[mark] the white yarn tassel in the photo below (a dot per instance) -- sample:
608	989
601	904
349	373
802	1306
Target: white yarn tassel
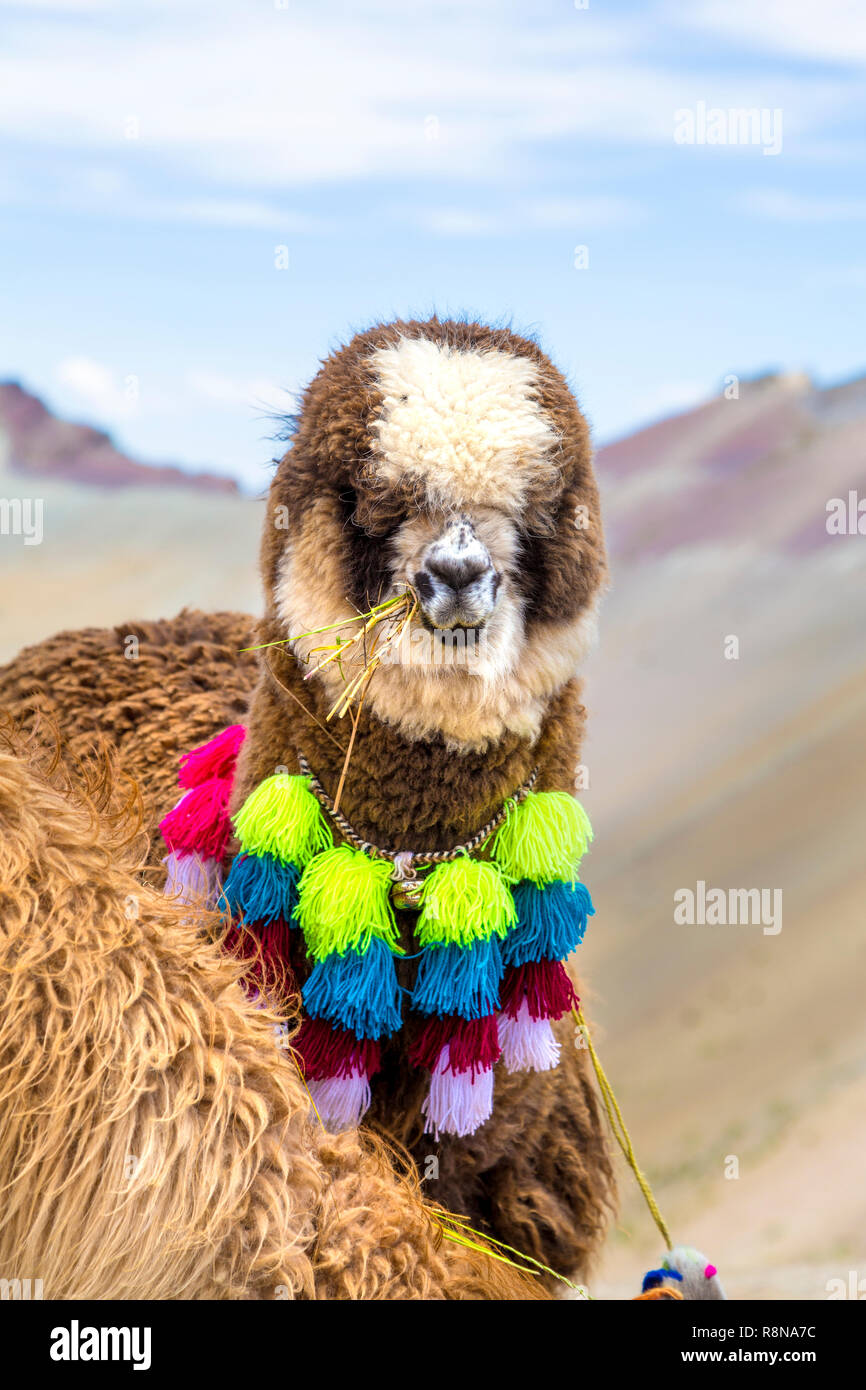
341	1100
457	1103
528	1044
192	878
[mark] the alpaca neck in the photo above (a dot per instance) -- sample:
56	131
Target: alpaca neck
397	793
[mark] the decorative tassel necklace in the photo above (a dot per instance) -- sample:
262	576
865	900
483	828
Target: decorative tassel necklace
493	932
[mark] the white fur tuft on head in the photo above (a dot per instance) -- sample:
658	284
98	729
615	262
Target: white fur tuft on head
463	426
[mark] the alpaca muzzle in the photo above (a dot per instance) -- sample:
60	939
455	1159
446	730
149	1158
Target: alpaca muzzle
456	582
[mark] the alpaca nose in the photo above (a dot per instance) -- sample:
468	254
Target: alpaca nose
458	572
456	582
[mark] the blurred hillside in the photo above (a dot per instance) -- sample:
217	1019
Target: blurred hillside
745	771
724	1042
38	445
122	539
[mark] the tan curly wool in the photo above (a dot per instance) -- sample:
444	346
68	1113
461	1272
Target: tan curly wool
154	1141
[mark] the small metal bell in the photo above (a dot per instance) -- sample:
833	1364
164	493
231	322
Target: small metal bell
406	886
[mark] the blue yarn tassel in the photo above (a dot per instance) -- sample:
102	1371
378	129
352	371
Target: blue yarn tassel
460	980
260	888
551	922
358	991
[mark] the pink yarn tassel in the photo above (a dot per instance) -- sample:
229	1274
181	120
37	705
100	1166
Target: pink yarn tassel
200	820
528	1043
216	758
457	1103
341	1100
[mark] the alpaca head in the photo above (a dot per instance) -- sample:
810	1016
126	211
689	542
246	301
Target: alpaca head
451	457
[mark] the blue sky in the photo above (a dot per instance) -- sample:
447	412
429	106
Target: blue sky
412	156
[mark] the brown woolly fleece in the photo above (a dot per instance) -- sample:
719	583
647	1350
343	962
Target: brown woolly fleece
538	1175
154	1142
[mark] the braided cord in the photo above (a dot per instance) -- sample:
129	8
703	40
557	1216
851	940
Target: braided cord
425	856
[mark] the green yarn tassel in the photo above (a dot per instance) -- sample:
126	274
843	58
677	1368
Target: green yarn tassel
344	900
543	839
464	900
283	818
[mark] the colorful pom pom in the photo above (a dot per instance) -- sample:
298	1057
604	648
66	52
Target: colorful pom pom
462	901
324	1051
457	1103
543	838
268	952
356	991
544	986
528	1044
217	758
192	878
460	980
340	1101
551	921
283	818
473	1044
344	901
260	888
200	820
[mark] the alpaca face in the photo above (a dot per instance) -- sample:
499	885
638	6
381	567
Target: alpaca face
456	580
451	458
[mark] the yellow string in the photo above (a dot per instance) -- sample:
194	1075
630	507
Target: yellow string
619	1130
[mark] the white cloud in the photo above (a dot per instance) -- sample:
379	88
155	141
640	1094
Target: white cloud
110	395
232	393
108	190
224	212
779	206
594	210
459	222
265	98
567	214
833	29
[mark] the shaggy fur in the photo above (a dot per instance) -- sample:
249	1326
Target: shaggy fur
154	1142
437	750
461	427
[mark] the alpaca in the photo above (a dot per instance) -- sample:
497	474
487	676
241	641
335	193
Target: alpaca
155	1143
453	458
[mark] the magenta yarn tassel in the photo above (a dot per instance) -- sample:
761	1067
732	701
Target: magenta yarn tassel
192	877
216	758
528	1043
457	1103
341	1100
200	820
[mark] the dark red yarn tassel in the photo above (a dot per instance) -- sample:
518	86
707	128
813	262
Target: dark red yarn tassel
473	1044
545	986
327	1051
267	946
